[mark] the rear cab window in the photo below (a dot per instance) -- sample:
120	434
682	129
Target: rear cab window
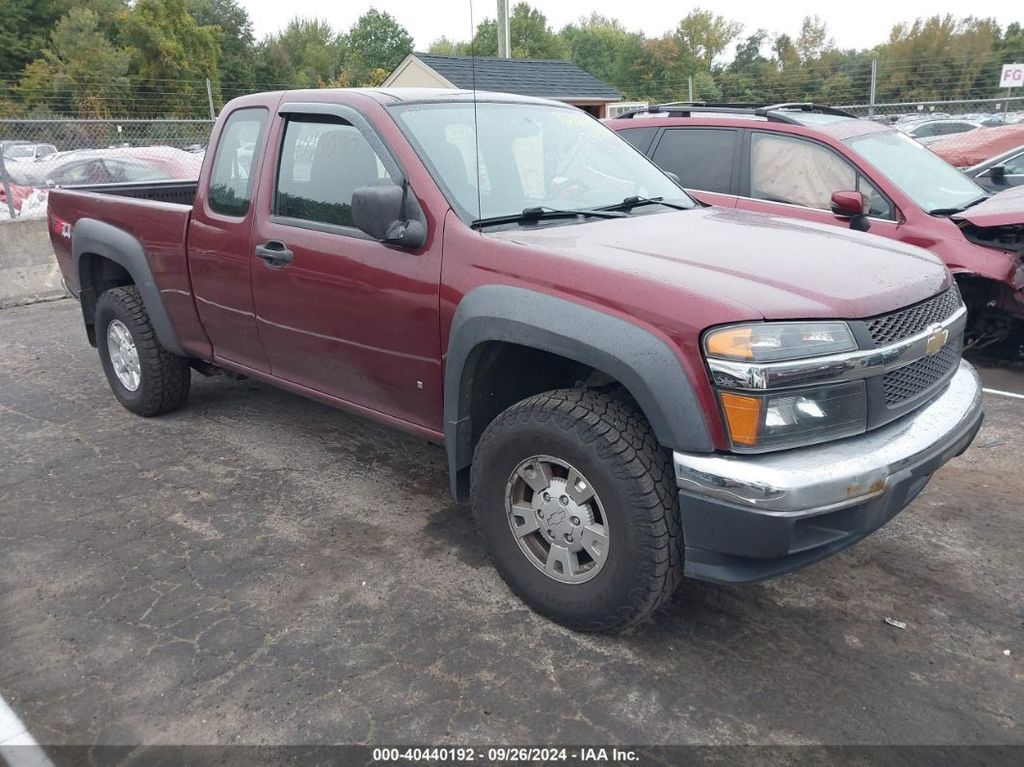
232	177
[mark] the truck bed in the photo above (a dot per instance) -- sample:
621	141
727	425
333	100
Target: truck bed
157	216
178	192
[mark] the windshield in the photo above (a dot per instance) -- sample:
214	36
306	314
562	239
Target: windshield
924	177
18	152
531	156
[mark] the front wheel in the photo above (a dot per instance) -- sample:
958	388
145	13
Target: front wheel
146	378
576	501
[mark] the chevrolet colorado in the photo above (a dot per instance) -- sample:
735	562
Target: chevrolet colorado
629	386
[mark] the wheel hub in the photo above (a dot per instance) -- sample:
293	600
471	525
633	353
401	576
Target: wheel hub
561	519
557	519
124	356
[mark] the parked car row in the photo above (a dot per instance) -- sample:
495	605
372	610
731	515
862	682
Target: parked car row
98	166
800	161
24	151
927	131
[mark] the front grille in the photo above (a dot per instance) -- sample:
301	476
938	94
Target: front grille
890	328
909	381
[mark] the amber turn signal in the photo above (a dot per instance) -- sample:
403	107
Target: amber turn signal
743	417
731	343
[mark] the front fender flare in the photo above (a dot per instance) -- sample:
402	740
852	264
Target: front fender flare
91	236
638	359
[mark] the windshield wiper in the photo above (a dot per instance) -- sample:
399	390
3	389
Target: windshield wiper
960	209
544	213
635	201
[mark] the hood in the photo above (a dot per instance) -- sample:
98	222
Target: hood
973	147
1002	209
764	266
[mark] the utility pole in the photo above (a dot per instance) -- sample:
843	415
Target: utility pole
874	82
209	97
504	41
689	83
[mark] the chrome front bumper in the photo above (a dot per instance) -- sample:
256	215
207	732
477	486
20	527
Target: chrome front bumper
755	516
830	476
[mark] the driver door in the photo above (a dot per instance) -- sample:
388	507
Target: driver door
338	312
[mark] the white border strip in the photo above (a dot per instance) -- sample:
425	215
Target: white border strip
1004	393
17	746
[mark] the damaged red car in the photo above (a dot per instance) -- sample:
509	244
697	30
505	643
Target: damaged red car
820	164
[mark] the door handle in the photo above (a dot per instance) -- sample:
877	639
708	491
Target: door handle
275	254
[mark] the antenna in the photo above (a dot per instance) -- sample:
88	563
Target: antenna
476	122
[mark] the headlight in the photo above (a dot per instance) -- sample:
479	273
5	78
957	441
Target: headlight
776	341
784	417
773	421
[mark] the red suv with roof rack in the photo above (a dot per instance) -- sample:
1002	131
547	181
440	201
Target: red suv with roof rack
825	165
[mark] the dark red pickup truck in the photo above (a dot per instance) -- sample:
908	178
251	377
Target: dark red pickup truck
629	386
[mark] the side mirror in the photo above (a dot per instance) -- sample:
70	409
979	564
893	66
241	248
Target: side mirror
379	211
997	173
851	205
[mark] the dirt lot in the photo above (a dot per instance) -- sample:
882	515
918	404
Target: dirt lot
261	569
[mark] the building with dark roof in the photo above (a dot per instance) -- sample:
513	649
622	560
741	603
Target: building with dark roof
545	78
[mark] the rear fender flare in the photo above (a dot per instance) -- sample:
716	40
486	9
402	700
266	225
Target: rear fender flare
637	358
98	238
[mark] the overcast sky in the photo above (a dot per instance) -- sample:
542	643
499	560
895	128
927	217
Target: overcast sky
859	24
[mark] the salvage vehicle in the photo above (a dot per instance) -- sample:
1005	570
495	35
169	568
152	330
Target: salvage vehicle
25	152
629	386
821	164
1000	172
95	167
928	131
979	147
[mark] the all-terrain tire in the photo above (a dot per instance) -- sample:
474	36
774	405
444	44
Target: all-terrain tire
164	377
613	446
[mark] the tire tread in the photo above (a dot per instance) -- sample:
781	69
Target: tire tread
166	376
625	442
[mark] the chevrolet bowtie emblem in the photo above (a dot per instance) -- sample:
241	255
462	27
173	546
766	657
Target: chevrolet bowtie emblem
937	340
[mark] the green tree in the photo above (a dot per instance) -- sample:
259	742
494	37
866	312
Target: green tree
172	55
306	54
813	39
442	46
659	71
25	27
81	72
237	46
1011	46
529	35
704	36
376	43
600	45
941	57
751	76
748	52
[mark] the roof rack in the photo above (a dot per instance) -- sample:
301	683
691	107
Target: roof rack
772	112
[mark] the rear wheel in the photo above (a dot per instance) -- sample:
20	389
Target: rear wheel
576	501
146	378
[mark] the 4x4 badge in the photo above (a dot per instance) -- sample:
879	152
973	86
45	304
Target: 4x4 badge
937	340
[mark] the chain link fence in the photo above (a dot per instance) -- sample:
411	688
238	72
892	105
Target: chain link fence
998	110
38	154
